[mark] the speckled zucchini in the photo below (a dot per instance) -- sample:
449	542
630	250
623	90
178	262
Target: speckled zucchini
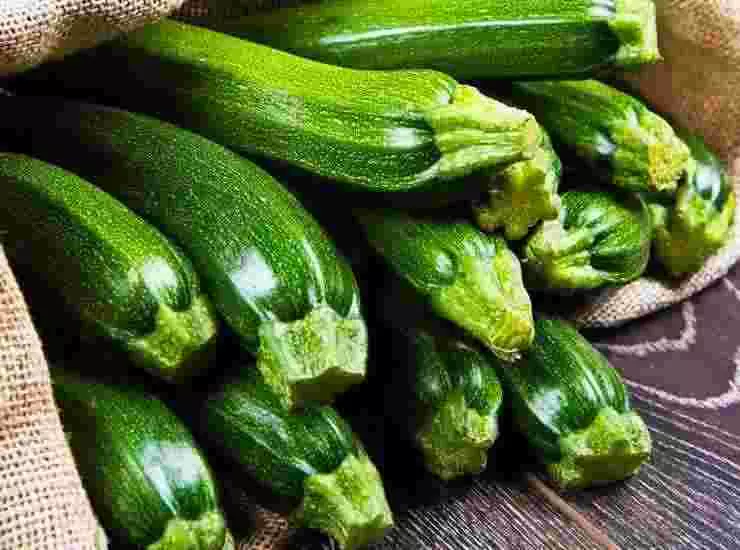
272	272
464	38
396	132
147	480
574	410
121	277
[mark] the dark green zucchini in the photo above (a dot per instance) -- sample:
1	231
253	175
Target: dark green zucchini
397	132
464	38
148	482
523	194
614	133
574	410
442	392
602	238
121	277
462	274
271	271
310	459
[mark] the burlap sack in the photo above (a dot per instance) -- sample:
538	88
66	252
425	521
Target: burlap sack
42	504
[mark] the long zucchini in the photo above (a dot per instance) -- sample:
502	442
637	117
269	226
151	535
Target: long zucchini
400	132
615	134
464	38
271	271
148	482
310	459
462	274
121	277
573	409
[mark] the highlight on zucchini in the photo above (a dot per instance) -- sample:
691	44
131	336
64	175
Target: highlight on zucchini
602	238
523	194
310	458
614	133
401	132
120	276
148	481
573	409
272	272
465	276
464	38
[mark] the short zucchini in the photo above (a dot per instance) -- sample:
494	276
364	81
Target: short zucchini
573	409
272	272
310	459
148	482
464	38
120	276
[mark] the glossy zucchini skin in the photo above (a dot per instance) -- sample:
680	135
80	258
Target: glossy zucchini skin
612	132
148	481
465	38
272	272
463	275
574	410
601	239
403	132
120	276
443	391
309	457
699	222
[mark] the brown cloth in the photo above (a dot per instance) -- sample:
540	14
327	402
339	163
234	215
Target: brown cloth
42	504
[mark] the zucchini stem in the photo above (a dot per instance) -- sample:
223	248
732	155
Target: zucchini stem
205	533
636	28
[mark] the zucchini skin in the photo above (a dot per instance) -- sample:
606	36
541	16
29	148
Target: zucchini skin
272	272
574	410
601	239
148	481
310	458
463	275
613	133
403	132
466	38
122	278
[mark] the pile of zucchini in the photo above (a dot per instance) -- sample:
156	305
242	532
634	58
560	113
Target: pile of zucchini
190	196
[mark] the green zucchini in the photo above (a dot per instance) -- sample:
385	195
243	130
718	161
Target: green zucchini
462	274
310	459
693	227
121	277
147	480
612	132
465	38
374	131
442	392
573	409
523	194
602	238
270	269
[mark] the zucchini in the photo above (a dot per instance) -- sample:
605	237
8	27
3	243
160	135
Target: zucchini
272	272
463	275
602	238
467	39
122	278
374	131
573	409
615	134
698	223
442	392
310	459
523	194
148	481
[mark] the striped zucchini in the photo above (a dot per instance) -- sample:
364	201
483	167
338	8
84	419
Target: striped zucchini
398	132
464	38
121	277
271	271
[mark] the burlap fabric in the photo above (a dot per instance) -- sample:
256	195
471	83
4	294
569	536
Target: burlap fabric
42	504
